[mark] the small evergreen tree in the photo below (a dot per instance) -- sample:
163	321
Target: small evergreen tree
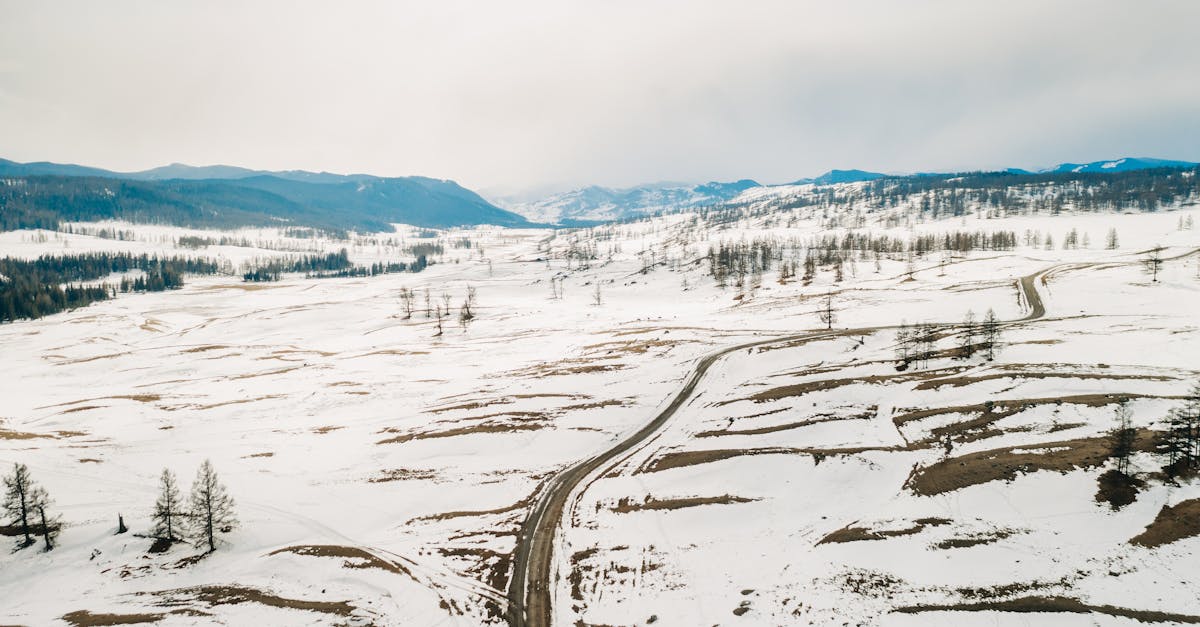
1123	438
904	343
212	508
991	335
49	524
19	502
1182	439
966	342
168	509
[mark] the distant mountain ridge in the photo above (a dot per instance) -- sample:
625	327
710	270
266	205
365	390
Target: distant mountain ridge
1124	164
597	204
232	196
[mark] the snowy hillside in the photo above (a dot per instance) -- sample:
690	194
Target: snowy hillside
773	411
598	204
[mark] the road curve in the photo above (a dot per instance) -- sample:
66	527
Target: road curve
529	589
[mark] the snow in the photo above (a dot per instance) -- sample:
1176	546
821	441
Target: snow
290	388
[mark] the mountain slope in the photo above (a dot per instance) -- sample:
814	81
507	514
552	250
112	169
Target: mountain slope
42	194
1124	164
597	203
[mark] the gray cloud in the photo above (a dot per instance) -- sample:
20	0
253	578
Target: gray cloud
567	92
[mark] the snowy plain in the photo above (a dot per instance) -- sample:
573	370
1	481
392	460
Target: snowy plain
338	422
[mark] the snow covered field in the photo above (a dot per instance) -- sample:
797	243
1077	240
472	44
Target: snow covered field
382	473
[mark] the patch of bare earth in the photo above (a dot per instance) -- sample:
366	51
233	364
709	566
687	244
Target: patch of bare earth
625	505
1018	375
851	533
237	595
1006	464
468	430
403	474
974	540
1054	604
353	557
84	618
680	459
821	418
1172	524
808	387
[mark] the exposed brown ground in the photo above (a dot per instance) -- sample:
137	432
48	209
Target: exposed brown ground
508	509
6	434
969	380
1172	524
1044	604
850	533
236	595
975	540
866	415
800	389
679	459
84	618
403	474
625	507
468	430
1006	464
364	558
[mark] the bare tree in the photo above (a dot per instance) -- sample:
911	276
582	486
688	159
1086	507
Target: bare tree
967	338
438	315
827	314
168	509
212	508
1153	261
406	302
925	337
597	297
466	313
904	345
428	306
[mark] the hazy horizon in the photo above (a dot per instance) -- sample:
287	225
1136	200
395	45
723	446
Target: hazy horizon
556	95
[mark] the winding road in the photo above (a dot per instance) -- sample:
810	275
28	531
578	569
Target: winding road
529	590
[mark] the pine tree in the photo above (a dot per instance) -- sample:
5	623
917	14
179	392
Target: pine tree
1182	439
18	502
168	509
827	314
212	508
904	336
1123	438
991	335
49	524
925	337
967	338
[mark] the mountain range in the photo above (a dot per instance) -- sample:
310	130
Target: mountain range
226	196
232	196
597	204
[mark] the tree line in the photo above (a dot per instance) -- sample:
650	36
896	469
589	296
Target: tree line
34	288
332	265
209	511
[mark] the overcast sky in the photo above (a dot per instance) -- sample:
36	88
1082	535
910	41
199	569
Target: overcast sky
519	95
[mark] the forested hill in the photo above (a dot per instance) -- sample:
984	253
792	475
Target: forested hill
42	195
